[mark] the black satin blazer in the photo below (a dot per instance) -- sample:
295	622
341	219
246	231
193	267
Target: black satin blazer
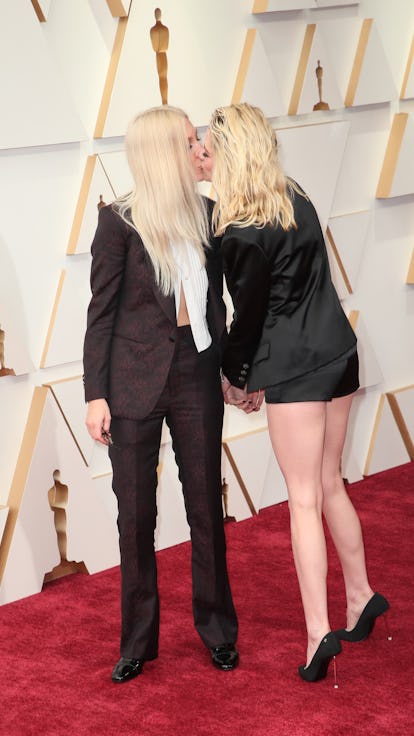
287	316
131	328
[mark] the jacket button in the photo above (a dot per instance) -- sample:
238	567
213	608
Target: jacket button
171	338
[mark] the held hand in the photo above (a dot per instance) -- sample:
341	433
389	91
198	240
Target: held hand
236	396
256	399
98	421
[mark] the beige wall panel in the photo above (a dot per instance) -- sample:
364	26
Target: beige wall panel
42	89
69	395
308	93
387	448
349	233
312	155
361	164
14	339
274	487
256	83
80	36
64	343
4	512
263	6
370	373
282	41
91	533
95	184
402	407
191	65
117	170
237	504
251	453
407	89
371	80
338	275
397	175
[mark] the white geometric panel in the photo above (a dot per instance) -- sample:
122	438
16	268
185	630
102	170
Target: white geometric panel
69	394
387	448
257	84
64	342
263	6
407	89
370	373
315	62
338	275
192	26
80	36
402	405
312	156
237	504
14	353
117	170
42	88
4	512
371	80
94	186
402	173
250	453
91	533
349	234
283	44
42	8
274	488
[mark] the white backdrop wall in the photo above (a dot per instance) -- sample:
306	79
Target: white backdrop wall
69	86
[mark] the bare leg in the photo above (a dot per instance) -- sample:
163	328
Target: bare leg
340	515
297	433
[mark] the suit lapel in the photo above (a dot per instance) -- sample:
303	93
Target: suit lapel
167	304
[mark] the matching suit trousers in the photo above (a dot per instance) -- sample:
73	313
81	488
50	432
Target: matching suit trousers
192	405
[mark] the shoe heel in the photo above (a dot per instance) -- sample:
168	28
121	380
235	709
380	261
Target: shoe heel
335	673
387	628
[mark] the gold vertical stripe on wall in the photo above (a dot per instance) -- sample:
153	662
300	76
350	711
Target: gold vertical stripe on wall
301	71
244	65
38	10
400	421
260	6
338	260
81	204
110	77
407	71
118	8
358	61
353	317
52	319
374	434
22	469
391	155
410	275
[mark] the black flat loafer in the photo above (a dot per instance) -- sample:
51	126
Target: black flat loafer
127	669
225	657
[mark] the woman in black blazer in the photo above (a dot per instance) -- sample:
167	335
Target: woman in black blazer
291	340
156	322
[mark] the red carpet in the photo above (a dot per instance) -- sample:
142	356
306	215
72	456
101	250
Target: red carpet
58	647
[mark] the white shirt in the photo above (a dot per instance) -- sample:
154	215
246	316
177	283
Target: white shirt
192	276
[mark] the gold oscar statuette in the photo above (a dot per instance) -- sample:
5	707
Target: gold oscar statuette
319	74
160	37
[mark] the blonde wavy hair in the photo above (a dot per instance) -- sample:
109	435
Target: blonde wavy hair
164	206
250	185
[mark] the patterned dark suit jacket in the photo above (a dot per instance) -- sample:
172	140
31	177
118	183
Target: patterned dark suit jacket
131	327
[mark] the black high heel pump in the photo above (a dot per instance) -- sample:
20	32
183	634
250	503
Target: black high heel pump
317	668
376	606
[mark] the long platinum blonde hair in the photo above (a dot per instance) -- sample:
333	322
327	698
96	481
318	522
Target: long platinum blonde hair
164	206
250	185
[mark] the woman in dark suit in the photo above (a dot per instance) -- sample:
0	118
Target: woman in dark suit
156	322
291	340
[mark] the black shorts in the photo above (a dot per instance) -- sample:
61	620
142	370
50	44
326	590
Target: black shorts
332	381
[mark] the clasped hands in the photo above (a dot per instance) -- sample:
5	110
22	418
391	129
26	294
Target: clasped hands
235	396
